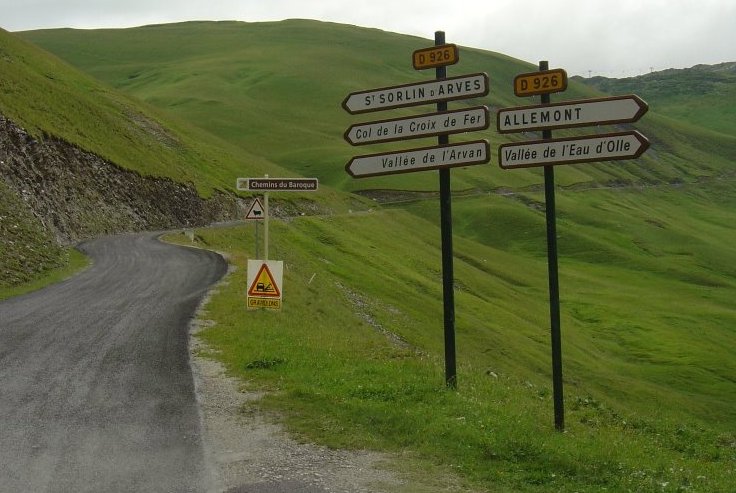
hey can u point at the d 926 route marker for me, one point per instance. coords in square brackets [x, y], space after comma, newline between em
[422, 159]
[430, 124]
[544, 82]
[450, 89]
[605, 147]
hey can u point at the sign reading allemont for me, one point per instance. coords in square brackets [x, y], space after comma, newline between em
[599, 111]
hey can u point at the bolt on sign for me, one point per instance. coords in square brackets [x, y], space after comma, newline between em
[265, 284]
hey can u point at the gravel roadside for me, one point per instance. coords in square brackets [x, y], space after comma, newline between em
[247, 453]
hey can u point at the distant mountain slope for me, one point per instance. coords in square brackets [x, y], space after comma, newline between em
[274, 89]
[47, 96]
[703, 95]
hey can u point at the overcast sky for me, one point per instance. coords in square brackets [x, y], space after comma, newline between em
[615, 38]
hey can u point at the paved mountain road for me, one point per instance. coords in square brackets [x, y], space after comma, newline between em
[96, 392]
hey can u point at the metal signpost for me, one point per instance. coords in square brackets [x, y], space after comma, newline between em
[442, 157]
[548, 152]
[264, 281]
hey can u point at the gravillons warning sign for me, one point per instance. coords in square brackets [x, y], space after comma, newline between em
[264, 283]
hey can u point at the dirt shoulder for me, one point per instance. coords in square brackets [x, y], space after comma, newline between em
[246, 452]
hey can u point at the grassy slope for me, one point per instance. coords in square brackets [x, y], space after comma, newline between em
[47, 96]
[275, 89]
[647, 402]
[704, 95]
[647, 277]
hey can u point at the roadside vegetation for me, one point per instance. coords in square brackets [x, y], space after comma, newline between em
[355, 358]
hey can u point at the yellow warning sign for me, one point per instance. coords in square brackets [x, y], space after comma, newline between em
[264, 303]
[264, 285]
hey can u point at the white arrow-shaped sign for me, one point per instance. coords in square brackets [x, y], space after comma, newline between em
[606, 147]
[445, 122]
[602, 111]
[452, 88]
[448, 156]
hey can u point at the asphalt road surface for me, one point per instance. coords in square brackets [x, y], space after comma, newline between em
[96, 391]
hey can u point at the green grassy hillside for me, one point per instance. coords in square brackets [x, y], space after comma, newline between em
[275, 89]
[355, 358]
[48, 97]
[647, 270]
[704, 95]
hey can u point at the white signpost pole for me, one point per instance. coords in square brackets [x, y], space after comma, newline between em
[265, 224]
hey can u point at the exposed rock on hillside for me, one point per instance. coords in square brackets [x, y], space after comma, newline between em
[26, 249]
[76, 194]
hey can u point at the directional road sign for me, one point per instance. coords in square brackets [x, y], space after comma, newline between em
[544, 82]
[278, 184]
[449, 89]
[255, 211]
[265, 284]
[604, 147]
[445, 122]
[601, 111]
[436, 56]
[448, 156]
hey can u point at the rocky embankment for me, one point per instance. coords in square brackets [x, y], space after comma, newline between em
[55, 193]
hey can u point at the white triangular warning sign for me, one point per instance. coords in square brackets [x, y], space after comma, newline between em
[264, 284]
[255, 211]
